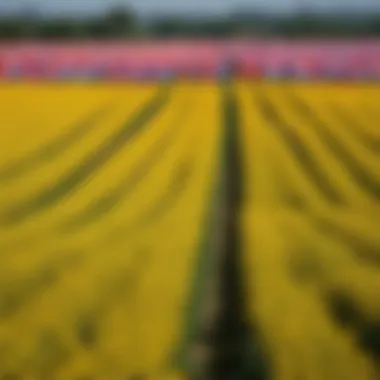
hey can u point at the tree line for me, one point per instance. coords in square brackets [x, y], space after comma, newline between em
[123, 23]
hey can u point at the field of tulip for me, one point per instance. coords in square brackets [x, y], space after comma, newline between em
[106, 197]
[310, 227]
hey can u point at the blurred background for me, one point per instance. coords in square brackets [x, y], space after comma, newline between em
[248, 33]
[212, 18]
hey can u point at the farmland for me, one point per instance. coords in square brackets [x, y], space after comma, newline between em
[310, 222]
[107, 193]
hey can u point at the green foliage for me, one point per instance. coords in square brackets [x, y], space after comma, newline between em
[121, 22]
[118, 22]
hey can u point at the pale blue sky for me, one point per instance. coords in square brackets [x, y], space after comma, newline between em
[149, 7]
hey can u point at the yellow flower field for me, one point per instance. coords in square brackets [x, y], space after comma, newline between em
[311, 227]
[102, 220]
[106, 197]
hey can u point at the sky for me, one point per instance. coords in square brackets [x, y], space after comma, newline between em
[207, 7]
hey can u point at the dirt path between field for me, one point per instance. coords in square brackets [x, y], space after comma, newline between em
[202, 351]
